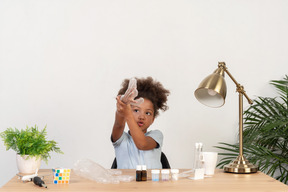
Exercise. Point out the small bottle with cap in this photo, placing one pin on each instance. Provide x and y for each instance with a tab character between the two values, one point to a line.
165	173
174	174
155	174
144	173
138	173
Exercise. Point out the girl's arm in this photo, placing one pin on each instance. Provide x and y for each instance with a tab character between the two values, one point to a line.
119	123
141	141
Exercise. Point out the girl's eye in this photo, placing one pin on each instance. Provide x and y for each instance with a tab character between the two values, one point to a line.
136	110
148	113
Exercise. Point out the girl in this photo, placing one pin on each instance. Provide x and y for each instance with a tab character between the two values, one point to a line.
139	146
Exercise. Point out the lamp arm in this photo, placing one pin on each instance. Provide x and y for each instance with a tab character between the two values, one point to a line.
239	88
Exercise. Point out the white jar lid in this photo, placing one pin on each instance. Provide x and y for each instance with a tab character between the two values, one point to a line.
155	171
174	170
167	171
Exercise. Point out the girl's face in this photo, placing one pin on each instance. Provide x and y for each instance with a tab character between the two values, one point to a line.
144	114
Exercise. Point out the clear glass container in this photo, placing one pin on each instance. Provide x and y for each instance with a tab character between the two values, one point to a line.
197	164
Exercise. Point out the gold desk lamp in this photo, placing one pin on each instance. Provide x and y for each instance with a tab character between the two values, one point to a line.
212	92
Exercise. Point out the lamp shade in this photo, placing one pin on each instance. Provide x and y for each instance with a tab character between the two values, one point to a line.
212	90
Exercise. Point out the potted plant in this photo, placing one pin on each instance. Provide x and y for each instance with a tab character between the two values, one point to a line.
265	134
31	146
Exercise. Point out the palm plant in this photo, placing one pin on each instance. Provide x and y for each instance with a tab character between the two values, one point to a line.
265	134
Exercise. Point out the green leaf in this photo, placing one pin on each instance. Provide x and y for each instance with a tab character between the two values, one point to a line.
29	141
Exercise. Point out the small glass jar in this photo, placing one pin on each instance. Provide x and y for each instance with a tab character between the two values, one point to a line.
138	173
165	173
144	173
155	174
174	174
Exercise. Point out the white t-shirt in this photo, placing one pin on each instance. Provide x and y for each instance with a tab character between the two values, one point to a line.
128	156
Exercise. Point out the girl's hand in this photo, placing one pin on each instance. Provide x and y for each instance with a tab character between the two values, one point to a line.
123	109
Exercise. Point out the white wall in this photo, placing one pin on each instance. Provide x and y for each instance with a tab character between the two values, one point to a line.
63	61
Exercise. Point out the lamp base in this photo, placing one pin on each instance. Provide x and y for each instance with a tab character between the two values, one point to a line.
240	165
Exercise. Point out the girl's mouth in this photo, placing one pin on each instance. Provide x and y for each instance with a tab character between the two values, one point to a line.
140	124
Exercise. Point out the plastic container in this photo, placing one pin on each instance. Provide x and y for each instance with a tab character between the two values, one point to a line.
175	174
155	174
165	173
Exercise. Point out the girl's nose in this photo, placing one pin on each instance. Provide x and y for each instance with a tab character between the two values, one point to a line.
141	116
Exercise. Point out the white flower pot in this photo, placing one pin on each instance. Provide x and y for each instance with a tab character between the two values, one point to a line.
27	165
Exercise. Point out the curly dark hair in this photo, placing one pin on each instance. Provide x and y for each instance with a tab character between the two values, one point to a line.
149	89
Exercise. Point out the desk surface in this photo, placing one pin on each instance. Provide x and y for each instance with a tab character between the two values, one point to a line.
220	182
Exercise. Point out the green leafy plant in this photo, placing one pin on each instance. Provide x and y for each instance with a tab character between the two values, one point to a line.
29	141
265	134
